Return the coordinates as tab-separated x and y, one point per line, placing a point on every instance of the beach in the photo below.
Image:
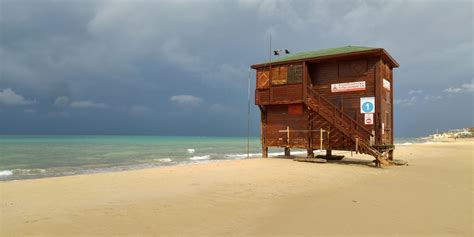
432	196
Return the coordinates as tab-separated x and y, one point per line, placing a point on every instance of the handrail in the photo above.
342	113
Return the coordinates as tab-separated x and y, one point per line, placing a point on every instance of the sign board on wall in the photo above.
368	119
386	84
367	105
348	86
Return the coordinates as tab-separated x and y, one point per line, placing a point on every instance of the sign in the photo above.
367	105
383	128
386	84
348	86
369	119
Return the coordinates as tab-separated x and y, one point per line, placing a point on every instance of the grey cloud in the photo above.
142	53
10	97
140	109
29	111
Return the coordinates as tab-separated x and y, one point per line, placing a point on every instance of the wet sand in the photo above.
432	196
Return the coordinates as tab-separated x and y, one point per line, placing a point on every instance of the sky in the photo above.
181	67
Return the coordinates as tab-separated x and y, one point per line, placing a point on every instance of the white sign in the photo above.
367	105
368	119
383	128
386	84
348	86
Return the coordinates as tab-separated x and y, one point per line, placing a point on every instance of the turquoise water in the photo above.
23	157
42	156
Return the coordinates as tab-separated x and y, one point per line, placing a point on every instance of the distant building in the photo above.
454	133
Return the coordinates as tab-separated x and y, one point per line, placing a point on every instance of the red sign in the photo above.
349	86
368	119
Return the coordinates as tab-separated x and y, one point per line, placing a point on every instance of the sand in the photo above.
432	196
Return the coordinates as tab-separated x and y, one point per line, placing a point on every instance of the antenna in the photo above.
248	115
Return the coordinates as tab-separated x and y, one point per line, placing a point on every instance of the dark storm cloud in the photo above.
115	66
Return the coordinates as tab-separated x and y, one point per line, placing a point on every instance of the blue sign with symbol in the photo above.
367	105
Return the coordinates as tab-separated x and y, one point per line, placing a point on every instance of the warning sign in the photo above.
367	105
349	86
368	119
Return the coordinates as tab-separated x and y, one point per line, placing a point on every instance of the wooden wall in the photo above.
387	103
280	92
281	85
324	74
281	116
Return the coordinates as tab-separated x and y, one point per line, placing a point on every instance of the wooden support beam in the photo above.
390	155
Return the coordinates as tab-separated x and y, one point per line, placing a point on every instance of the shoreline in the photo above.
258	197
131	167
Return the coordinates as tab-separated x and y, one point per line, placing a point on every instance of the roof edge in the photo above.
379	51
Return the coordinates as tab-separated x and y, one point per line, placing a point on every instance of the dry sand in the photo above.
262	197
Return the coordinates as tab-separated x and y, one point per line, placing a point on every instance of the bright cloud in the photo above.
61	101
407	102
87	104
468	87
9	97
186	99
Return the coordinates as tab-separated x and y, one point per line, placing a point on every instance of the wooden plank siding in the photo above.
282	90
324	74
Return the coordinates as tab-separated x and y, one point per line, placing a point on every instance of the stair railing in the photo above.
354	127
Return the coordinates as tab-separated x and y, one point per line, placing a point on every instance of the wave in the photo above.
5	173
412	143
163	160
205	157
190	150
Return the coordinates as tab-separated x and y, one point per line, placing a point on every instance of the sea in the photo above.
29	157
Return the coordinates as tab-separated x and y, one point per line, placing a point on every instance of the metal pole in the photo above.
248	115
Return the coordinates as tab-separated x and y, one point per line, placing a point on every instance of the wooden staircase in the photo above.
344	123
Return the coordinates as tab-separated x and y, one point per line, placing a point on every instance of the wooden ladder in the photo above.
356	132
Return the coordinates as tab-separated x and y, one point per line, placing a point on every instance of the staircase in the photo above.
353	130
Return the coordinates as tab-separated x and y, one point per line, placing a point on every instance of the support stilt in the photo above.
287	151
390	155
328	152
310	153
264	152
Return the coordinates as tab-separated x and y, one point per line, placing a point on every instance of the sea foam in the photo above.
6	173
190	150
163	160
205	157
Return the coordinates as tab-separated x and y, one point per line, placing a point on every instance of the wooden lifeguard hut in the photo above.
329	99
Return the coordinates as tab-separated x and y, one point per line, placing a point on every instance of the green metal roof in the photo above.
323	53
